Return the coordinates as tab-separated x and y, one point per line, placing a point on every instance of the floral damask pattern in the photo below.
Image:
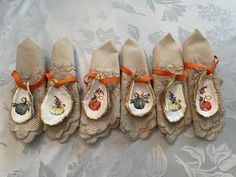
88	24
222	159
173	9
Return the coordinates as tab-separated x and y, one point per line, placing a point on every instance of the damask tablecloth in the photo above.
88	24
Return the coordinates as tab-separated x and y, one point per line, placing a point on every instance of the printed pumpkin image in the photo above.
174	105
95	101
140	100
23	107
58	108
204	102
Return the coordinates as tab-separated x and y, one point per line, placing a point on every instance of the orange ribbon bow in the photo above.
104	80
58	83
209	70
138	79
178	77
33	86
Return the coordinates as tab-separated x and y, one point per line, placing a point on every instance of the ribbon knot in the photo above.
137	79
33	86
58	83
209	69
178	77
101	77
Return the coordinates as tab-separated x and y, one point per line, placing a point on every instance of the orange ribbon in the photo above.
138	79
178	77
33	86
209	69
105	80
58	83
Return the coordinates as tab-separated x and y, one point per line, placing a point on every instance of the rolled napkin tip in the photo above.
130	41
133	56
195	36
29	54
166	40
63	41
105	59
27	44
107	47
167	52
63	51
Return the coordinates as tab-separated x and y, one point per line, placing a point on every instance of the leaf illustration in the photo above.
17	173
195	171
151	5
222	152
156	162
155	37
101	15
217	155
220	174
214	13
4	78
205	173
228	163
190	171
210	150
127	8
134	32
5	73
193	164
45	171
173	12
86	36
6	107
73	169
168	1
178	9
196	153
109	34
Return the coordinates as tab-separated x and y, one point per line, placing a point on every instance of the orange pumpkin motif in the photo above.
205	104
95	101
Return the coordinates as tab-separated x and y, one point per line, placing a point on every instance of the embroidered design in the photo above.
140	100
171	68
95	101
174	105
204	104
23	107
58	108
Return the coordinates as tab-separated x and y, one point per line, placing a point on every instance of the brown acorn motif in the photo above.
95	101
23	107
204	102
140	100
174	105
58	108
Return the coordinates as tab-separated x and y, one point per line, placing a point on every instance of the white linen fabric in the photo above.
89	24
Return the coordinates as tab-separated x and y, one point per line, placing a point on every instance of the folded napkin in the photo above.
60	109
101	102
170	86
138	114
203	86
24	120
